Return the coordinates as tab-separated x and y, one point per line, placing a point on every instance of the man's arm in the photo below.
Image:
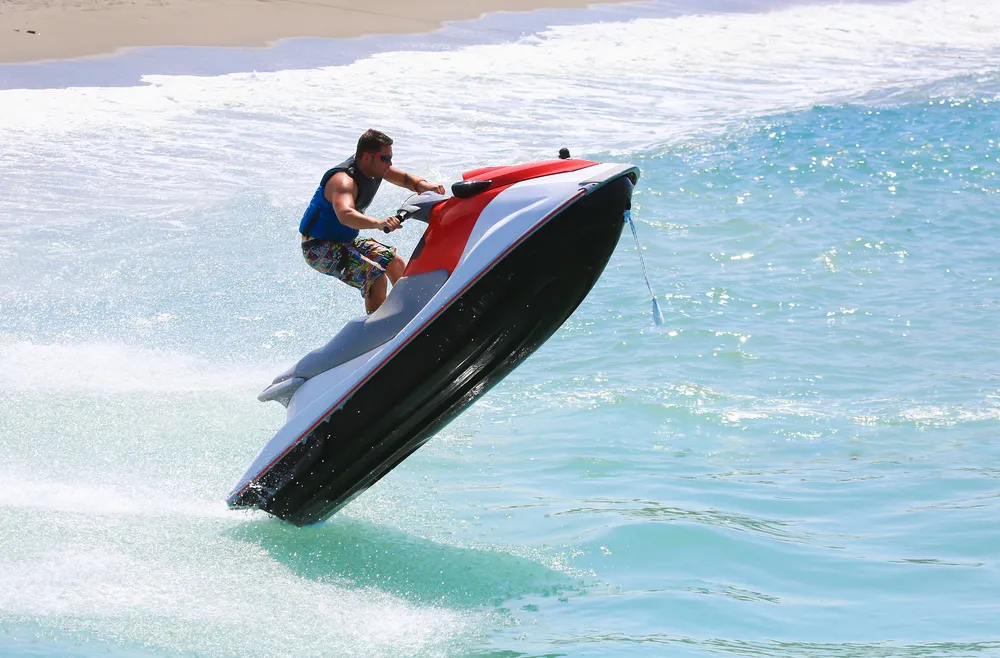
411	182
340	190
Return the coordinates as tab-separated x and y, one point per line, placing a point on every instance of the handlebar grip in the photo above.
401	217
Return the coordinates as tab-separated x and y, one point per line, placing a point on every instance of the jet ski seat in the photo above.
408	296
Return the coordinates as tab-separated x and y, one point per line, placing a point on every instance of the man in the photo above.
330	225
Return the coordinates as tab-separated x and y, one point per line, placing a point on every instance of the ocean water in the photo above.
804	460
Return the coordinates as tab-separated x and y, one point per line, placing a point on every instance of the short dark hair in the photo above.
372	142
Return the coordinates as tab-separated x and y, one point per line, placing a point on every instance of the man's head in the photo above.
374	154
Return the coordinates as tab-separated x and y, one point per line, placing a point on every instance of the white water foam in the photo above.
153	593
106	368
21	493
603	87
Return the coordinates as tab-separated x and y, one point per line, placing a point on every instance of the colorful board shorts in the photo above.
359	263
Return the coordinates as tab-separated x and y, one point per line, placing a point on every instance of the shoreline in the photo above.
36	31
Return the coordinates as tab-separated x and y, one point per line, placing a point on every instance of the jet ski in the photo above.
504	260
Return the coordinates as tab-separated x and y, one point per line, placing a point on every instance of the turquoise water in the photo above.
800	462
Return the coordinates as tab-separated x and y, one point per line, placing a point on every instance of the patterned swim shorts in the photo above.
359	263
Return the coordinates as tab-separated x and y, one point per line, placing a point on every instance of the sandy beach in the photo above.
38	30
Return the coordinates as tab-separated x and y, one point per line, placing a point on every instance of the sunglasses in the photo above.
384	158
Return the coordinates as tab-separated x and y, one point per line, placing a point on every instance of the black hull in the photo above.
472	345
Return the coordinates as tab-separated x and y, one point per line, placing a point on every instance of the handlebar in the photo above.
385	230
404	213
419	207
401	215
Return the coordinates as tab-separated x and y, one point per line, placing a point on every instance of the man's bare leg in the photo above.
376	295
395	269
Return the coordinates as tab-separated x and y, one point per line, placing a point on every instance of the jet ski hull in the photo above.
472	344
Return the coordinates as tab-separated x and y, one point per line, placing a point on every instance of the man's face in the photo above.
381	161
